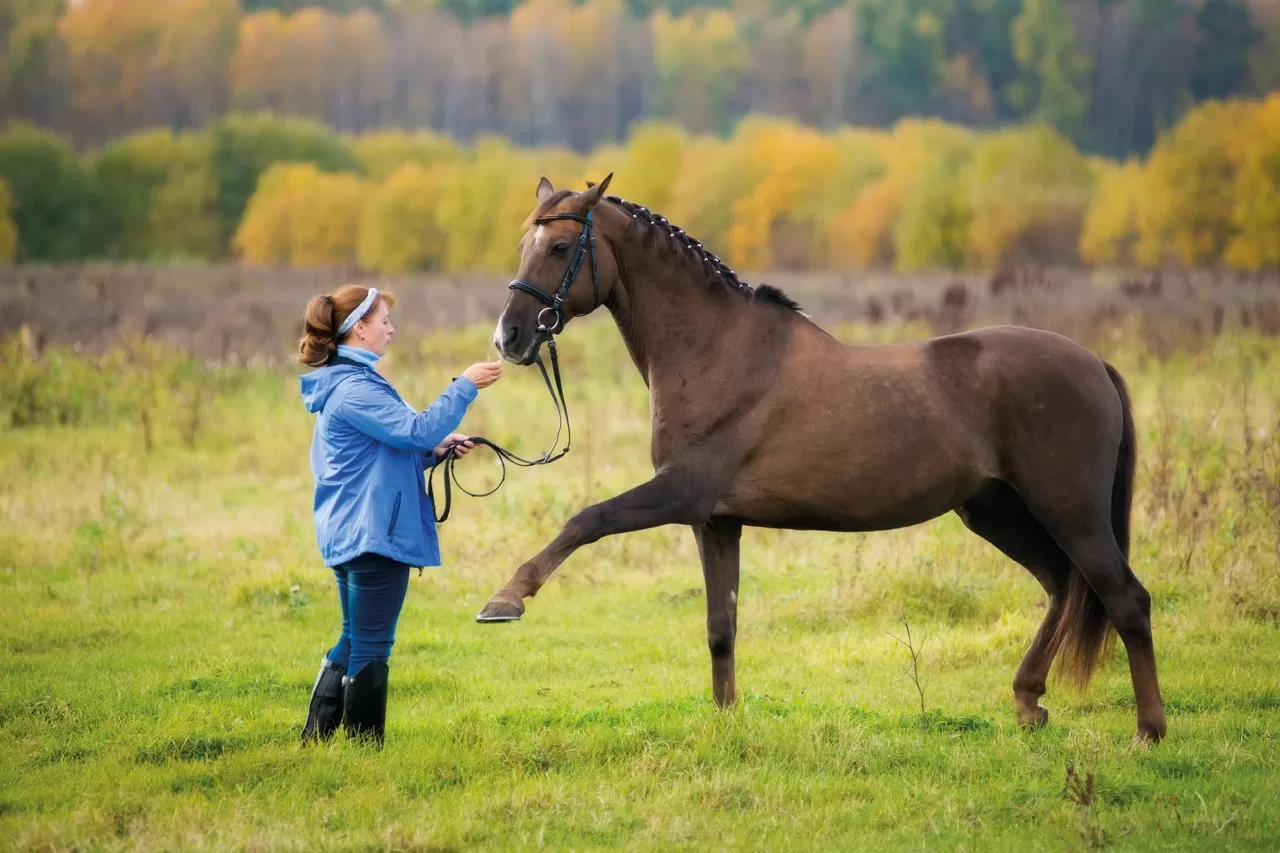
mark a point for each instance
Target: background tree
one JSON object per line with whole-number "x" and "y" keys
{"x": 195, "y": 42}
{"x": 701, "y": 58}
{"x": 399, "y": 228}
{"x": 1052, "y": 85}
{"x": 1185, "y": 214}
{"x": 111, "y": 45}
{"x": 50, "y": 193}
{"x": 8, "y": 230}
{"x": 1110, "y": 227}
{"x": 1028, "y": 190}
{"x": 246, "y": 144}
{"x": 1256, "y": 211}
{"x": 155, "y": 195}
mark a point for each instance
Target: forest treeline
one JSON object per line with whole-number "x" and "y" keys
{"x": 1109, "y": 75}
{"x": 775, "y": 194}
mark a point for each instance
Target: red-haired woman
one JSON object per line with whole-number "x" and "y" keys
{"x": 373, "y": 518}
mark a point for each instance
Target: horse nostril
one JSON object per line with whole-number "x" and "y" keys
{"x": 511, "y": 334}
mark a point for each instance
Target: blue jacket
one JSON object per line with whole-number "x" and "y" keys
{"x": 368, "y": 453}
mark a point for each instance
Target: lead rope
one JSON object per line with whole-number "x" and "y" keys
{"x": 504, "y": 455}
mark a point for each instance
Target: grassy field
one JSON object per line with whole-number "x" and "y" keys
{"x": 165, "y": 612}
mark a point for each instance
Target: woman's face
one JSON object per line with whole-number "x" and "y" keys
{"x": 374, "y": 331}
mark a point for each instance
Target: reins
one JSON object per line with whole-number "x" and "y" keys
{"x": 504, "y": 455}
{"x": 547, "y": 330}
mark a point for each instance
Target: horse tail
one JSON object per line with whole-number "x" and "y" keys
{"x": 1122, "y": 487}
{"x": 1084, "y": 630}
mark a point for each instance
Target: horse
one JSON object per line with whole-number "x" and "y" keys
{"x": 762, "y": 418}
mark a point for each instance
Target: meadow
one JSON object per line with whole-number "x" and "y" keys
{"x": 165, "y": 612}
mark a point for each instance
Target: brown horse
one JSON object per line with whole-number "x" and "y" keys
{"x": 762, "y": 418}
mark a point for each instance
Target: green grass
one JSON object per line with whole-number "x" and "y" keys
{"x": 165, "y": 612}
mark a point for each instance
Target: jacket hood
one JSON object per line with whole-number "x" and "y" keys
{"x": 318, "y": 385}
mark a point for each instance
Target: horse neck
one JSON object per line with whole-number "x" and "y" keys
{"x": 666, "y": 310}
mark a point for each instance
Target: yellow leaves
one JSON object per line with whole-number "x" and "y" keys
{"x": 485, "y": 198}
{"x": 326, "y": 222}
{"x": 646, "y": 170}
{"x": 1185, "y": 211}
{"x": 1028, "y": 192}
{"x": 1110, "y": 226}
{"x": 781, "y": 195}
{"x": 302, "y": 216}
{"x": 1209, "y": 193}
{"x": 869, "y": 232}
{"x": 1256, "y": 216}
{"x": 110, "y": 44}
{"x": 861, "y": 235}
{"x": 398, "y": 227}
{"x": 383, "y": 152}
{"x": 261, "y": 57}
{"x": 8, "y": 231}
{"x": 791, "y": 167}
{"x": 453, "y": 214}
{"x": 936, "y": 217}
{"x": 265, "y": 232}
{"x": 711, "y": 176}
{"x": 313, "y": 63}
{"x": 564, "y": 170}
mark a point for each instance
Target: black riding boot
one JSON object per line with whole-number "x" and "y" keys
{"x": 325, "y": 712}
{"x": 364, "y": 702}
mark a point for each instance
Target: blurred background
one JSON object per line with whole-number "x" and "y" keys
{"x": 876, "y": 157}
{"x": 179, "y": 177}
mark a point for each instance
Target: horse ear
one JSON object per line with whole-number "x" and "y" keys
{"x": 545, "y": 190}
{"x": 594, "y": 193}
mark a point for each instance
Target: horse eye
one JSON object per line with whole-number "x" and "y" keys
{"x": 559, "y": 248}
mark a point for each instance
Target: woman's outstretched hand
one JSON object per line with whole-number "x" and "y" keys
{"x": 484, "y": 373}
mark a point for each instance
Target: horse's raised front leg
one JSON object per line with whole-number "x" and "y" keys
{"x": 671, "y": 497}
{"x": 718, "y": 543}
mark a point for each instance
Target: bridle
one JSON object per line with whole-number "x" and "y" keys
{"x": 555, "y": 304}
{"x": 547, "y": 330}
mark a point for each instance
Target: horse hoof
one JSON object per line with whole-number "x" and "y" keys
{"x": 1144, "y": 737}
{"x": 499, "y": 610}
{"x": 1035, "y": 718}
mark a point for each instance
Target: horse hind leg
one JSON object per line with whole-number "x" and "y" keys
{"x": 1111, "y": 596}
{"x": 998, "y": 515}
{"x": 1128, "y": 607}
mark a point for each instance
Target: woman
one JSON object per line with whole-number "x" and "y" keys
{"x": 373, "y": 518}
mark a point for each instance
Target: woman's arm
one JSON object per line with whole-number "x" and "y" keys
{"x": 375, "y": 411}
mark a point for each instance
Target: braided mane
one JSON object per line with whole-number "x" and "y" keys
{"x": 682, "y": 242}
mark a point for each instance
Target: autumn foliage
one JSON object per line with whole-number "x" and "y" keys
{"x": 774, "y": 193}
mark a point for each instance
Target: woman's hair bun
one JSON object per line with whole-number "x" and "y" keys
{"x": 318, "y": 340}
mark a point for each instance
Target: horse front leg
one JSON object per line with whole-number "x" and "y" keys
{"x": 671, "y": 497}
{"x": 718, "y": 544}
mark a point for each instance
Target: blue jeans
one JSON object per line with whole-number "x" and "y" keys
{"x": 371, "y": 589}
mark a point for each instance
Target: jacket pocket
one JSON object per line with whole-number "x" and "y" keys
{"x": 395, "y": 513}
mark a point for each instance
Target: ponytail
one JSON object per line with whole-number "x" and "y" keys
{"x": 319, "y": 340}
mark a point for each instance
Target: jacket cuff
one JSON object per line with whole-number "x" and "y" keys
{"x": 468, "y": 388}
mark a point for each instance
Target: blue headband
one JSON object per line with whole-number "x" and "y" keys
{"x": 361, "y": 309}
